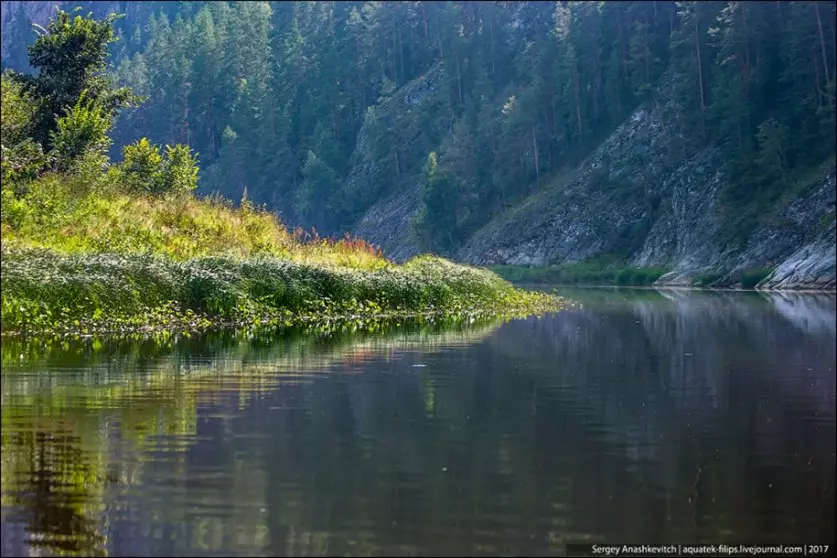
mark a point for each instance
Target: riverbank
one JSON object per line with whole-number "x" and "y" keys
{"x": 594, "y": 274}
{"x": 48, "y": 292}
{"x": 101, "y": 261}
{"x": 582, "y": 273}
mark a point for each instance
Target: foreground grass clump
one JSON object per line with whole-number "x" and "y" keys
{"x": 44, "y": 291}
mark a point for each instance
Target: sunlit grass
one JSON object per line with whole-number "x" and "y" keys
{"x": 57, "y": 215}
{"x": 89, "y": 259}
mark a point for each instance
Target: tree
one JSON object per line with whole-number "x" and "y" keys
{"x": 319, "y": 185}
{"x": 771, "y": 137}
{"x": 146, "y": 171}
{"x": 435, "y": 226}
{"x": 180, "y": 170}
{"x": 71, "y": 57}
{"x": 692, "y": 62}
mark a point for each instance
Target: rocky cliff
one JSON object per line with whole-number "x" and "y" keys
{"x": 386, "y": 223}
{"x": 20, "y": 15}
{"x": 645, "y": 197}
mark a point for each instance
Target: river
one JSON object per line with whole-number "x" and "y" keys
{"x": 636, "y": 416}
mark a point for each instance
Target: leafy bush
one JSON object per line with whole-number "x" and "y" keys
{"x": 146, "y": 171}
{"x": 180, "y": 170}
{"x": 21, "y": 158}
{"x": 141, "y": 166}
{"x": 81, "y": 131}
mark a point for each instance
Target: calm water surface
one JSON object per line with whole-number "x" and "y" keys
{"x": 640, "y": 416}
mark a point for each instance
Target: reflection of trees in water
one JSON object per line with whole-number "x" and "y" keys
{"x": 110, "y": 399}
{"x": 60, "y": 489}
{"x": 727, "y": 384}
{"x": 589, "y": 423}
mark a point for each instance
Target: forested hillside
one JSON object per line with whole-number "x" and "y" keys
{"x": 323, "y": 109}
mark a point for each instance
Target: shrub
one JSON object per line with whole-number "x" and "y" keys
{"x": 146, "y": 171}
{"x": 180, "y": 170}
{"x": 142, "y": 167}
{"x": 82, "y": 131}
{"x": 21, "y": 158}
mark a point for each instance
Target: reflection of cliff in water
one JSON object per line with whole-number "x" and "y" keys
{"x": 657, "y": 383}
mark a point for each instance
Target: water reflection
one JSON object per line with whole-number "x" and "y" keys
{"x": 641, "y": 416}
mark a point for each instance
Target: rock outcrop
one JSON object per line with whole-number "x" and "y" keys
{"x": 645, "y": 197}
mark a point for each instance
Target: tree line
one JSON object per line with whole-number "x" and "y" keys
{"x": 274, "y": 96}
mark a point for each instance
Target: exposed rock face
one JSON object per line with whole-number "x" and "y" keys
{"x": 12, "y": 11}
{"x": 386, "y": 223}
{"x": 810, "y": 267}
{"x": 629, "y": 198}
{"x": 644, "y": 197}
{"x": 22, "y": 14}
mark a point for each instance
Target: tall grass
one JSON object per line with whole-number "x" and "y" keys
{"x": 89, "y": 261}
{"x": 64, "y": 214}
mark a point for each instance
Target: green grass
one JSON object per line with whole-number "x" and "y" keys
{"x": 599, "y": 271}
{"x": 85, "y": 259}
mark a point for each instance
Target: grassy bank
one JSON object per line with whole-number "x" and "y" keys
{"x": 85, "y": 259}
{"x": 596, "y": 273}
{"x": 583, "y": 273}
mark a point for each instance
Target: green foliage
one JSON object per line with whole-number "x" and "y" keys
{"x": 82, "y": 130}
{"x": 71, "y": 57}
{"x": 20, "y": 157}
{"x": 506, "y": 95}
{"x": 180, "y": 170}
{"x": 48, "y": 292}
{"x": 18, "y": 109}
{"x": 436, "y": 225}
{"x": 320, "y": 181}
{"x": 146, "y": 171}
{"x": 142, "y": 166}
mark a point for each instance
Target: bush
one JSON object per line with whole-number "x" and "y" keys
{"x": 21, "y": 158}
{"x": 82, "y": 131}
{"x": 142, "y": 167}
{"x": 146, "y": 171}
{"x": 180, "y": 170}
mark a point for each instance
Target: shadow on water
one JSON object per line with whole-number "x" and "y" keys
{"x": 640, "y": 416}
